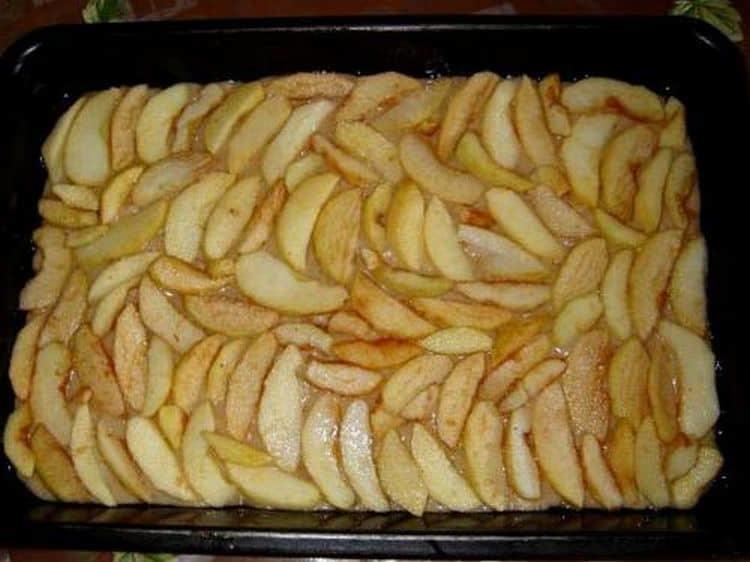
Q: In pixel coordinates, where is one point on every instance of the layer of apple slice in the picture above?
(575, 318)
(85, 457)
(176, 275)
(77, 196)
(306, 85)
(357, 172)
(341, 378)
(472, 155)
(621, 458)
(602, 93)
(417, 110)
(261, 223)
(512, 296)
(160, 364)
(377, 354)
(95, 370)
(456, 397)
(123, 125)
(458, 340)
(120, 462)
(167, 177)
(58, 213)
(405, 226)
(400, 476)
(497, 129)
(411, 284)
(22, 357)
(687, 489)
(560, 217)
(222, 120)
(230, 216)
(192, 115)
(558, 120)
(172, 421)
(129, 356)
(628, 378)
(304, 335)
(16, 442)
(368, 144)
(680, 181)
(498, 381)
(482, 442)
(455, 313)
(230, 316)
(374, 213)
(663, 379)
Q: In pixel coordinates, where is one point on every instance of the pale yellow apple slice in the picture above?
(456, 397)
(355, 171)
(256, 131)
(663, 379)
(15, 440)
(521, 223)
(628, 377)
(405, 226)
(621, 458)
(457, 340)
(558, 120)
(78, 196)
(121, 463)
(192, 115)
(109, 307)
(56, 469)
(373, 216)
(376, 354)
(46, 398)
(261, 224)
(649, 471)
(23, 356)
(423, 404)
(614, 293)
(618, 233)
(298, 171)
(336, 233)
(203, 473)
(687, 489)
(369, 145)
(652, 178)
(497, 129)
(576, 317)
(306, 85)
(162, 318)
(85, 235)
(523, 472)
(410, 284)
(687, 288)
(442, 243)
(168, 176)
(417, 110)
(373, 92)
(412, 378)
(304, 335)
(553, 177)
(581, 154)
(342, 379)
(674, 133)
(482, 442)
(530, 122)
(154, 126)
(130, 350)
(272, 283)
(441, 478)
(267, 486)
(172, 421)
(581, 272)
(160, 362)
(512, 296)
(421, 164)
(237, 452)
(400, 476)
(222, 367)
(554, 444)
(238, 102)
(456, 313)
(59, 214)
(156, 459)
(514, 335)
(191, 372)
(86, 154)
(95, 371)
(680, 460)
(292, 138)
(176, 275)
(560, 217)
(598, 476)
(230, 216)
(230, 316)
(602, 93)
(472, 156)
(119, 272)
(350, 324)
(53, 149)
(118, 190)
(85, 457)
(123, 125)
(499, 381)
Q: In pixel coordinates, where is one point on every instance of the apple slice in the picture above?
(498, 132)
(306, 336)
(373, 216)
(280, 410)
(126, 236)
(561, 218)
(581, 272)
(202, 471)
(267, 486)
(442, 242)
(59, 214)
(130, 349)
(457, 341)
(298, 171)
(558, 120)
(528, 117)
(255, 131)
(86, 458)
(238, 102)
(649, 277)
(191, 117)
(421, 164)
(614, 293)
(652, 178)
(553, 177)
(162, 318)
(513, 296)
(356, 172)
(680, 181)
(336, 233)
(176, 275)
(687, 288)
(598, 476)
(236, 452)
(555, 446)
(373, 92)
(294, 135)
(687, 489)
(417, 110)
(472, 156)
(456, 397)
(116, 192)
(442, 479)
(86, 235)
(456, 313)
(462, 107)
(230, 316)
(699, 404)
(674, 133)
(159, 382)
(95, 370)
(261, 224)
(47, 398)
(86, 154)
(342, 379)
(575, 318)
(618, 233)
(523, 473)
(272, 283)
(15, 440)
(680, 460)
(120, 462)
(123, 125)
(53, 149)
(628, 377)
(23, 356)
(169, 176)
(400, 476)
(222, 367)
(383, 421)
(377, 354)
(230, 216)
(78, 196)
(307, 85)
(581, 154)
(350, 324)
(412, 378)
(192, 370)
(152, 131)
(497, 382)
(411, 284)
(663, 378)
(583, 384)
(521, 224)
(514, 335)
(602, 93)
(319, 441)
(621, 457)
(405, 226)
(156, 459)
(369, 145)
(423, 404)
(172, 421)
(482, 443)
(56, 469)
(649, 474)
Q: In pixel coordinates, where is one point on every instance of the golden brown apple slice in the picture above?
(513, 296)
(687, 489)
(649, 277)
(162, 318)
(699, 404)
(230, 316)
(53, 148)
(56, 469)
(261, 223)
(598, 476)
(628, 377)
(120, 462)
(652, 178)
(457, 341)
(267, 486)
(377, 354)
(614, 294)
(649, 473)
(176, 275)
(412, 378)
(561, 218)
(203, 473)
(400, 476)
(342, 379)
(581, 154)
(373, 92)
(405, 226)
(306, 85)
(442, 479)
(192, 116)
(519, 460)
(123, 125)
(159, 382)
(442, 243)
(319, 443)
(472, 156)
(411, 284)
(255, 132)
(46, 398)
(172, 421)
(663, 378)
(23, 356)
(575, 318)
(482, 442)
(687, 288)
(168, 177)
(156, 459)
(421, 164)
(15, 440)
(336, 233)
(462, 107)
(192, 370)
(95, 370)
(272, 283)
(456, 397)
(154, 126)
(130, 349)
(368, 144)
(355, 171)
(521, 223)
(583, 383)
(306, 336)
(86, 155)
(602, 93)
(236, 104)
(498, 132)
(554, 444)
(581, 272)
(455, 313)
(416, 110)
(680, 181)
(85, 457)
(621, 457)
(531, 125)
(230, 216)
(237, 452)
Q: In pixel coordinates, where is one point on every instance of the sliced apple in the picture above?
(236, 452)
(618, 233)
(649, 277)
(680, 181)
(405, 226)
(382, 421)
(581, 154)
(116, 192)
(236, 104)
(342, 379)
(261, 224)
(294, 135)
(605, 93)
(169, 176)
(456, 397)
(123, 125)
(423, 404)
(442, 243)
(614, 293)
(514, 335)
(680, 460)
(377, 354)
(576, 317)
(230, 216)
(336, 233)
(530, 122)
(455, 313)
(628, 377)
(350, 324)
(687, 489)
(121, 463)
(597, 474)
(176, 275)
(156, 459)
(621, 457)
(109, 307)
(319, 441)
(663, 378)
(86, 235)
(86, 458)
(498, 132)
(560, 217)
(373, 216)
(674, 133)
(652, 178)
(541, 375)
(59, 214)
(411, 284)
(416, 110)
(267, 486)
(230, 316)
(373, 92)
(53, 149)
(353, 170)
(130, 356)
(86, 155)
(304, 335)
(307, 85)
(298, 171)
(162, 318)
(368, 144)
(56, 469)
(521, 223)
(255, 132)
(172, 421)
(558, 120)
(421, 164)
(222, 367)
(245, 384)
(687, 288)
(400, 476)
(78, 196)
(15, 440)
(581, 272)
(482, 442)
(441, 478)
(160, 364)
(649, 473)
(523, 473)
(152, 132)
(192, 370)
(553, 177)
(95, 370)
(46, 397)
(192, 115)
(23, 356)
(412, 378)
(498, 381)
(512, 296)
(457, 341)
(555, 446)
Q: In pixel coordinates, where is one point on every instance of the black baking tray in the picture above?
(44, 72)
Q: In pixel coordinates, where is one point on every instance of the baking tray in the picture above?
(45, 71)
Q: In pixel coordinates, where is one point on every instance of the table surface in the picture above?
(20, 16)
